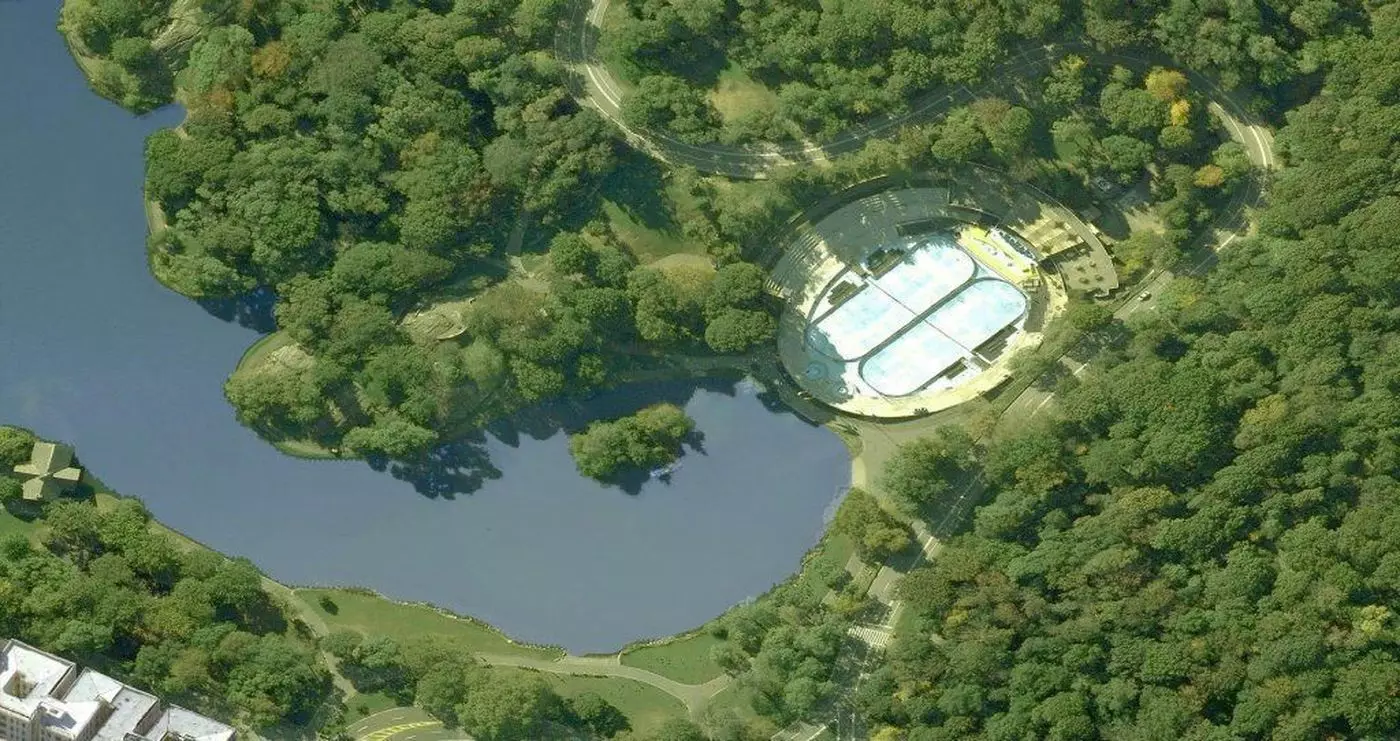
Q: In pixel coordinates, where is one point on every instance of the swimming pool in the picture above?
(932, 269)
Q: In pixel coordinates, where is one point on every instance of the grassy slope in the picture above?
(373, 615)
(646, 707)
(11, 525)
(684, 660)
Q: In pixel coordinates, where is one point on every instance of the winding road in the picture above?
(591, 82)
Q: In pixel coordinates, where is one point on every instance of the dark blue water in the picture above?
(95, 352)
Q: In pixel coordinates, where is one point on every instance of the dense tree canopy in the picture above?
(832, 65)
(650, 437)
(108, 590)
(1201, 543)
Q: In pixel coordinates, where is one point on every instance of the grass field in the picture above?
(646, 243)
(364, 704)
(260, 351)
(644, 209)
(373, 615)
(737, 94)
(646, 707)
(11, 525)
(684, 660)
(832, 554)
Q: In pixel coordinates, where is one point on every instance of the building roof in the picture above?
(29, 676)
(128, 706)
(50, 469)
(179, 723)
(36, 684)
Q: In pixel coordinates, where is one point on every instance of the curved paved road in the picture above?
(593, 85)
(694, 696)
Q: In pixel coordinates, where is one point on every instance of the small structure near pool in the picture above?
(50, 471)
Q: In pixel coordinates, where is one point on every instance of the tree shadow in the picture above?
(461, 466)
(253, 310)
(953, 515)
(638, 187)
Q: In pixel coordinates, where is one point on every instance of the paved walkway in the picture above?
(694, 696)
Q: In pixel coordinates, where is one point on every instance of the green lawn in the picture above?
(736, 94)
(734, 699)
(11, 525)
(646, 707)
(684, 660)
(258, 352)
(363, 705)
(646, 243)
(830, 555)
(372, 615)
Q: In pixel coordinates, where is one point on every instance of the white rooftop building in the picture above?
(46, 698)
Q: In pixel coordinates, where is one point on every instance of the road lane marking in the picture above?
(384, 734)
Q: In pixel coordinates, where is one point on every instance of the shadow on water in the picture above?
(463, 466)
(253, 310)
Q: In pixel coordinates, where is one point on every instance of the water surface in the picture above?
(95, 352)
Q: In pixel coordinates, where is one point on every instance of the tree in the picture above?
(924, 470)
(737, 330)
(736, 285)
(508, 707)
(1144, 250)
(1166, 85)
(677, 729)
(650, 437)
(1366, 694)
(280, 400)
(394, 438)
(876, 534)
(598, 715)
(960, 138)
(15, 445)
(441, 690)
(1125, 156)
(664, 102)
(10, 490)
(570, 254)
(1132, 110)
(276, 680)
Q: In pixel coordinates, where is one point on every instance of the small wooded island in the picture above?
(651, 437)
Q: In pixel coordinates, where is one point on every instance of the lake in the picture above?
(95, 352)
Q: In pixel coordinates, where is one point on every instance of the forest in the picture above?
(357, 166)
(816, 70)
(109, 590)
(1201, 542)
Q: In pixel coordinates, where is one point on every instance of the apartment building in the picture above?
(47, 698)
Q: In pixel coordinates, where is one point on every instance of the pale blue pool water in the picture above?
(979, 311)
(931, 270)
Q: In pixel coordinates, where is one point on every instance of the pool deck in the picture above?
(821, 254)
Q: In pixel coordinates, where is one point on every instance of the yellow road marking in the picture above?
(384, 734)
